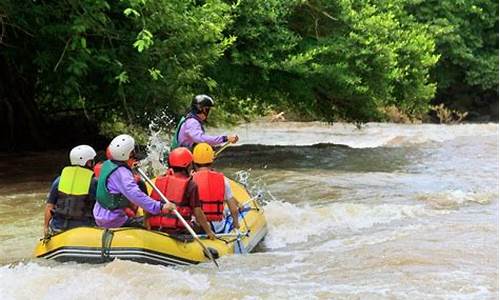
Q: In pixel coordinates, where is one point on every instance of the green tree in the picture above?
(114, 61)
(106, 59)
(331, 59)
(466, 34)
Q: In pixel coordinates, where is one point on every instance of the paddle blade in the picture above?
(213, 252)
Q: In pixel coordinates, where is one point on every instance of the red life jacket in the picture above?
(97, 170)
(211, 191)
(173, 186)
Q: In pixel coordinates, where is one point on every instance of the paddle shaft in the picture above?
(222, 149)
(250, 200)
(178, 215)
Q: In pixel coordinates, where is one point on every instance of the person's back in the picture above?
(131, 210)
(213, 188)
(178, 187)
(117, 187)
(72, 194)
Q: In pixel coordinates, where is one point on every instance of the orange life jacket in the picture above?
(173, 186)
(211, 191)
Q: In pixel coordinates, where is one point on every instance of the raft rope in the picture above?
(238, 236)
(46, 238)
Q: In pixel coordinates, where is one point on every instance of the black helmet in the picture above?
(201, 101)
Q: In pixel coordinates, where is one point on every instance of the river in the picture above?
(386, 211)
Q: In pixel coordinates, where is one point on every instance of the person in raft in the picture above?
(117, 187)
(190, 130)
(99, 162)
(213, 189)
(131, 210)
(176, 185)
(72, 194)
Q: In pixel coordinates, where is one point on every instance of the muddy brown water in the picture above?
(383, 212)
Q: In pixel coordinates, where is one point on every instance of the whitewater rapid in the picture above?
(369, 135)
(383, 211)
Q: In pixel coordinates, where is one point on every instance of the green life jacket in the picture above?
(103, 196)
(175, 139)
(74, 201)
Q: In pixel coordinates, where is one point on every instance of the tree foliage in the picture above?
(466, 34)
(331, 59)
(128, 56)
(342, 59)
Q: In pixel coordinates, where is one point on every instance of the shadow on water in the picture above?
(38, 169)
(30, 171)
(319, 156)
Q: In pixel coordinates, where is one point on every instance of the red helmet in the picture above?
(180, 157)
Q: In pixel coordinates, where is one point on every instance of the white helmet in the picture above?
(121, 147)
(80, 155)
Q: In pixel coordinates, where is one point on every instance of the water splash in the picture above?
(243, 176)
(256, 186)
(160, 131)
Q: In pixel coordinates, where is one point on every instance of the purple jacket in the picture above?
(122, 182)
(192, 132)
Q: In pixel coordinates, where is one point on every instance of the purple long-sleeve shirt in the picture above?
(191, 133)
(122, 182)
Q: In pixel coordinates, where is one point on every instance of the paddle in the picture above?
(178, 215)
(222, 149)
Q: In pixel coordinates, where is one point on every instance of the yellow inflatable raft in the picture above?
(97, 245)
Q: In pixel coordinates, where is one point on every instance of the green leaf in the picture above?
(155, 73)
(122, 78)
(129, 11)
(139, 44)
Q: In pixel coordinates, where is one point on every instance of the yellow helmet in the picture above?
(203, 154)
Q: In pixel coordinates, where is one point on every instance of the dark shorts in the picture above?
(137, 222)
(58, 225)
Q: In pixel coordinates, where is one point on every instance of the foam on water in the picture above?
(418, 233)
(452, 199)
(356, 241)
(292, 224)
(370, 135)
(115, 280)
(458, 285)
